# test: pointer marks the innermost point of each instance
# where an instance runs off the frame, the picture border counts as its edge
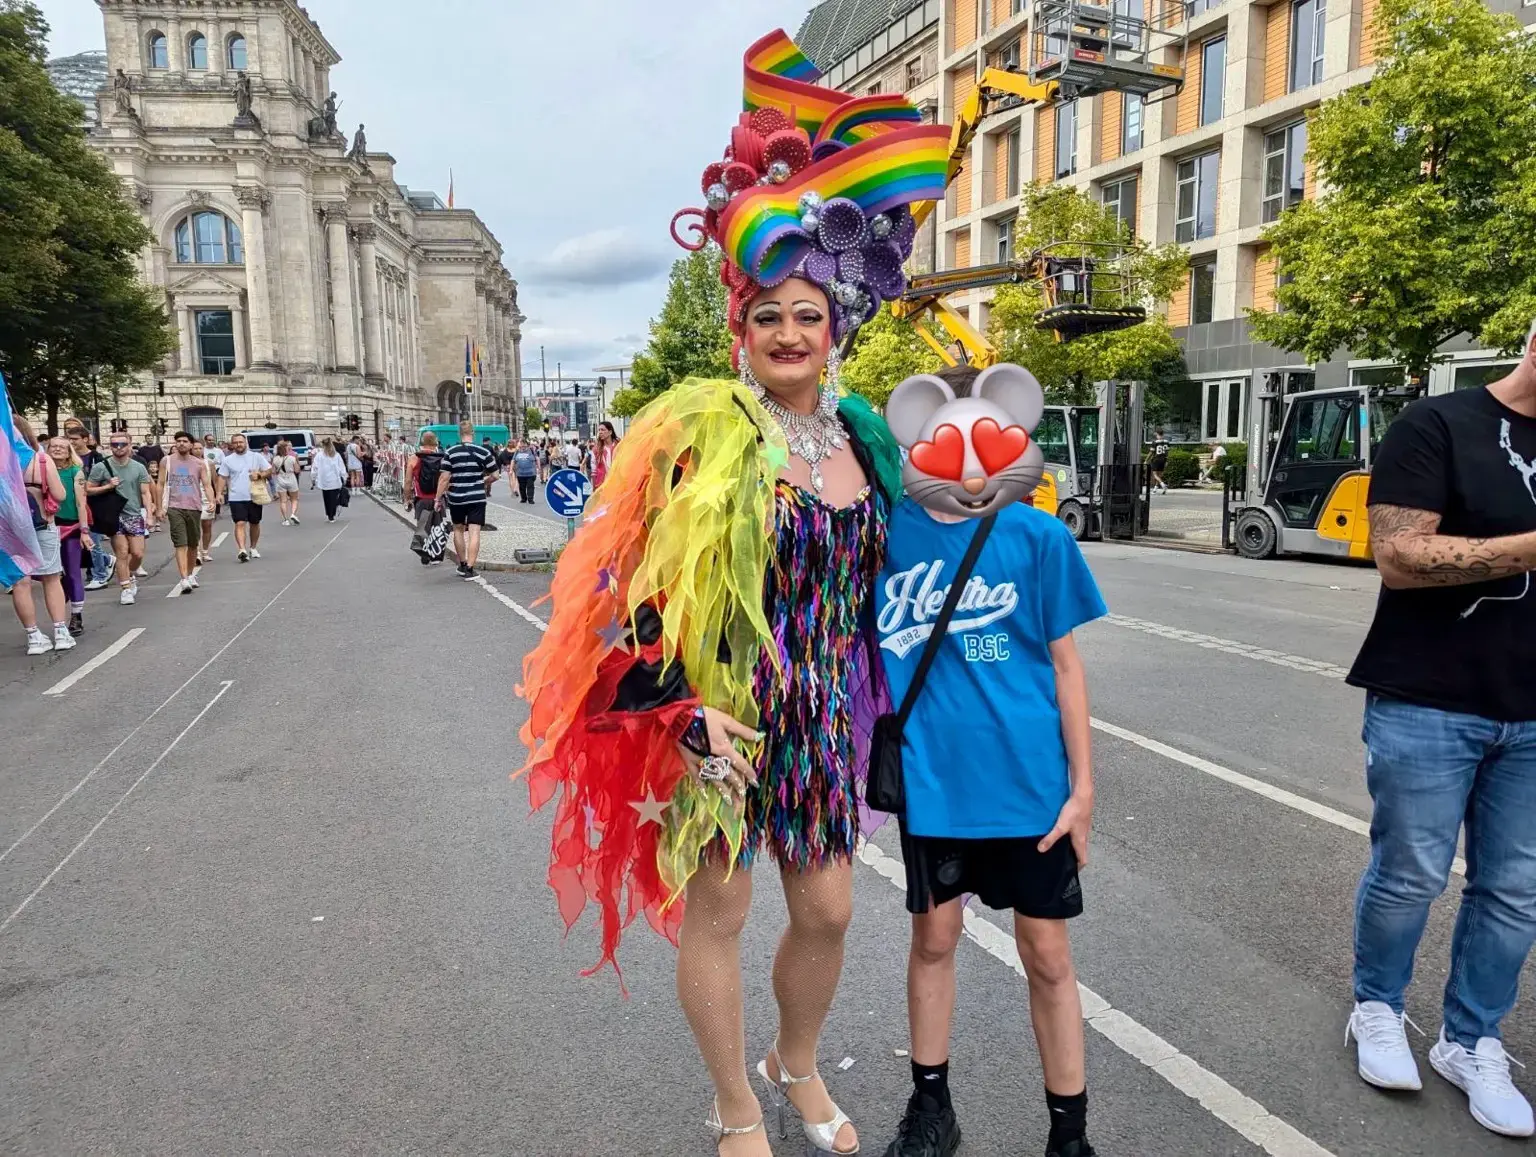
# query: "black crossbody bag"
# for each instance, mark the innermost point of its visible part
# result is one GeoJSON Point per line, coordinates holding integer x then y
{"type": "Point", "coordinates": [886, 789]}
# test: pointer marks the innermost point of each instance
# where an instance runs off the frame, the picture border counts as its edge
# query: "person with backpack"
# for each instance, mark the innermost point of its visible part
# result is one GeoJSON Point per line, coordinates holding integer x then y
{"type": "Point", "coordinates": [420, 491]}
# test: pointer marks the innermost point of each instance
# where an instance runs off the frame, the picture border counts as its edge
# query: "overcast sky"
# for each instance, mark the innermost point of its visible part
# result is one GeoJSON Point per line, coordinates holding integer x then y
{"type": "Point", "coordinates": [574, 128]}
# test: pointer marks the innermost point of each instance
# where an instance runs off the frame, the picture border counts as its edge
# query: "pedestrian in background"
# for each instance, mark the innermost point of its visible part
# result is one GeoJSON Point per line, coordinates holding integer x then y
{"type": "Point", "coordinates": [573, 455]}
{"type": "Point", "coordinates": [354, 465]}
{"type": "Point", "coordinates": [328, 472]}
{"type": "Point", "coordinates": [74, 539]}
{"type": "Point", "coordinates": [420, 498]}
{"type": "Point", "coordinates": [366, 457]}
{"type": "Point", "coordinates": [285, 482]}
{"type": "Point", "coordinates": [242, 467]}
{"type": "Point", "coordinates": [467, 469]}
{"type": "Point", "coordinates": [525, 468]}
{"type": "Point", "coordinates": [1158, 462]}
{"type": "Point", "coordinates": [125, 477]}
{"type": "Point", "coordinates": [89, 456]}
{"type": "Point", "coordinates": [602, 452]}
{"type": "Point", "coordinates": [213, 455]}
{"type": "Point", "coordinates": [184, 494]}
{"type": "Point", "coordinates": [46, 493]}
{"type": "Point", "coordinates": [1450, 733]}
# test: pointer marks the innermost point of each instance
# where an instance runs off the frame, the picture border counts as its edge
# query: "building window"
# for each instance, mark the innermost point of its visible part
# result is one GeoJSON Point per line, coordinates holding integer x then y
{"type": "Point", "coordinates": [874, 89]}
{"type": "Point", "coordinates": [1005, 229]}
{"type": "Point", "coordinates": [1195, 216]}
{"type": "Point", "coordinates": [1066, 139]}
{"type": "Point", "coordinates": [159, 51]}
{"type": "Point", "coordinates": [1130, 123]}
{"type": "Point", "coordinates": [200, 421]}
{"type": "Point", "coordinates": [197, 51]}
{"type": "Point", "coordinates": [1308, 19]}
{"type": "Point", "coordinates": [216, 341]}
{"type": "Point", "coordinates": [1009, 58]}
{"type": "Point", "coordinates": [237, 56]}
{"type": "Point", "coordinates": [914, 72]}
{"type": "Point", "coordinates": [1285, 169]}
{"type": "Point", "coordinates": [208, 239]}
{"type": "Point", "coordinates": [1120, 199]}
{"type": "Point", "coordinates": [1213, 80]}
{"type": "Point", "coordinates": [1202, 294]}
{"type": "Point", "coordinates": [1016, 7]}
{"type": "Point", "coordinates": [1013, 147]}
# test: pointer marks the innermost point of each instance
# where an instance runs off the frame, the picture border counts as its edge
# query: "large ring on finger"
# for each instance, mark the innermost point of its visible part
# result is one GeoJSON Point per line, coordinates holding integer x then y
{"type": "Point", "coordinates": [715, 769]}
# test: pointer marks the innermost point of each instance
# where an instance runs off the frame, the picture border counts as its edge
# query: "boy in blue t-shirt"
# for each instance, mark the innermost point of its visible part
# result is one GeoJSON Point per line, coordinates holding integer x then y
{"type": "Point", "coordinates": [996, 758]}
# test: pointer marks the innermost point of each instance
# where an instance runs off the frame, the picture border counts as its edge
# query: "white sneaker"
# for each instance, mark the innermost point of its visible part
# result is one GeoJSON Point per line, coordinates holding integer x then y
{"type": "Point", "coordinates": [128, 596]}
{"type": "Point", "coordinates": [141, 573]}
{"type": "Point", "coordinates": [1382, 1052]}
{"type": "Point", "coordinates": [241, 556]}
{"type": "Point", "coordinates": [255, 553]}
{"type": "Point", "coordinates": [192, 581]}
{"type": "Point", "coordinates": [62, 640]}
{"type": "Point", "coordinates": [294, 520]}
{"type": "Point", "coordinates": [39, 643]}
{"type": "Point", "coordinates": [97, 585]}
{"type": "Point", "coordinates": [285, 522]}
{"type": "Point", "coordinates": [1484, 1076]}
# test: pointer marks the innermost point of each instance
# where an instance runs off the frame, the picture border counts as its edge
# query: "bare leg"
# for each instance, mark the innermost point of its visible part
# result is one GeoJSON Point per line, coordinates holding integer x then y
{"type": "Point", "coordinates": [931, 980]}
{"type": "Point", "coordinates": [1054, 1004]}
{"type": "Point", "coordinates": [124, 567]}
{"type": "Point", "coordinates": [136, 547]}
{"type": "Point", "coordinates": [472, 535]}
{"type": "Point", "coordinates": [53, 599]}
{"type": "Point", "coordinates": [21, 603]}
{"type": "Point", "coordinates": [709, 989]}
{"type": "Point", "coordinates": [458, 543]}
{"type": "Point", "coordinates": [240, 535]}
{"type": "Point", "coordinates": [805, 975]}
{"type": "Point", "coordinates": [255, 534]}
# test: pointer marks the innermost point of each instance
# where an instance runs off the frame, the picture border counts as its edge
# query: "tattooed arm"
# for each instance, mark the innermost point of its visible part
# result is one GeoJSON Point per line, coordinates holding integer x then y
{"type": "Point", "coordinates": [1411, 553]}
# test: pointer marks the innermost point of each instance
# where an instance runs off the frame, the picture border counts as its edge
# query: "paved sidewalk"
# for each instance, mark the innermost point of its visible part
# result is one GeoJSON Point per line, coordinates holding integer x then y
{"type": "Point", "coordinates": [515, 530]}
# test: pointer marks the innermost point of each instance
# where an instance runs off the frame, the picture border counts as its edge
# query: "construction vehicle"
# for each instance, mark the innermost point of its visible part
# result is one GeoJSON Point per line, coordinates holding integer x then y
{"type": "Point", "coordinates": [1307, 481]}
{"type": "Point", "coordinates": [1093, 482]}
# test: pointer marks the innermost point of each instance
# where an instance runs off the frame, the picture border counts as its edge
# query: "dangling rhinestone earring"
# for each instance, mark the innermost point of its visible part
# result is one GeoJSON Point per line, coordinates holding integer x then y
{"type": "Point", "coordinates": [748, 378]}
{"type": "Point", "coordinates": [835, 370]}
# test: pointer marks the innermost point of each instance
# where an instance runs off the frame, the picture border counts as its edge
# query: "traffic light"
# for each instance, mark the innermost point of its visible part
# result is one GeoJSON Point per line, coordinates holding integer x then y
{"type": "Point", "coordinates": [162, 426]}
{"type": "Point", "coordinates": [469, 384]}
{"type": "Point", "coordinates": [354, 422]}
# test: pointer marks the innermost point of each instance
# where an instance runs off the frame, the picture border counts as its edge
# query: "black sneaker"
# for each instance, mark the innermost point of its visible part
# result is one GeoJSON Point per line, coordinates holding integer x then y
{"type": "Point", "coordinates": [469, 573]}
{"type": "Point", "coordinates": [425, 561]}
{"type": "Point", "coordinates": [76, 625]}
{"type": "Point", "coordinates": [925, 1131]}
{"type": "Point", "coordinates": [463, 569]}
{"type": "Point", "coordinates": [1077, 1147]}
{"type": "Point", "coordinates": [487, 526]}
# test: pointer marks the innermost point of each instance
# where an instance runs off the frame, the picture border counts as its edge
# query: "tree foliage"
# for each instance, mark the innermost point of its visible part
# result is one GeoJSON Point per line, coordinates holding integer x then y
{"type": "Point", "coordinates": [1427, 226]}
{"type": "Point", "coordinates": [1073, 225]}
{"type": "Point", "coordinates": [73, 311]}
{"type": "Point", "coordinates": [533, 419]}
{"type": "Point", "coordinates": [628, 402]}
{"type": "Point", "coordinates": [886, 352]}
{"type": "Point", "coordinates": [690, 337]}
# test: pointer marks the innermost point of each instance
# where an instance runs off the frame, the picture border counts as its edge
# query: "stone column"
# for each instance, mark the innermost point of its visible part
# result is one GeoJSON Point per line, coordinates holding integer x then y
{"type": "Point", "coordinates": [368, 284]}
{"type": "Point", "coordinates": [413, 371]}
{"type": "Point", "coordinates": [253, 204]}
{"type": "Point", "coordinates": [340, 257]}
{"type": "Point", "coordinates": [176, 47]}
{"type": "Point", "coordinates": [215, 37]}
{"type": "Point", "coordinates": [242, 354]}
{"type": "Point", "coordinates": [188, 343]}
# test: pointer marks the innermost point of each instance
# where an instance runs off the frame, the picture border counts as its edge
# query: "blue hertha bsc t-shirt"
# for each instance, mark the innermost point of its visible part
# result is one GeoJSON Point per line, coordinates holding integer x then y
{"type": "Point", "coordinates": [984, 756]}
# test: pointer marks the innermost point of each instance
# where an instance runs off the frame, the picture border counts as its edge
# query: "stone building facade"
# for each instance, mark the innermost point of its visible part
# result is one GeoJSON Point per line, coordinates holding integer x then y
{"type": "Point", "coordinates": [306, 284]}
{"type": "Point", "coordinates": [1208, 168]}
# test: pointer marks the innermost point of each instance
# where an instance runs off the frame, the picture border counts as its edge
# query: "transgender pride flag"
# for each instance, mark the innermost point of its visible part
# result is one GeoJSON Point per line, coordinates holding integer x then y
{"type": "Point", "coordinates": [18, 541]}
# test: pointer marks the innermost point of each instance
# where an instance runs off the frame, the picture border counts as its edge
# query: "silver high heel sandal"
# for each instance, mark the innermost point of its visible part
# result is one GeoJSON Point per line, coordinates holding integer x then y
{"type": "Point", "coordinates": [820, 1138]}
{"type": "Point", "coordinates": [722, 1131]}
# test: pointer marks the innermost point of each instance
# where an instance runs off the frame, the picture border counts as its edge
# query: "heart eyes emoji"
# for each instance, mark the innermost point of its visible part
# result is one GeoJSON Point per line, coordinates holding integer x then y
{"type": "Point", "coordinates": [996, 446]}
{"type": "Point", "coordinates": [944, 457]}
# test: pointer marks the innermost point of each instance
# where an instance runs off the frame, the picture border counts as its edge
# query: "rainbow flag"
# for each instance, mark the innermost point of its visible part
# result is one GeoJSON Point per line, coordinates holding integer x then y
{"type": "Point", "coordinates": [779, 76]}
{"type": "Point", "coordinates": [760, 229]}
{"type": "Point", "coordinates": [19, 554]}
{"type": "Point", "coordinates": [476, 370]}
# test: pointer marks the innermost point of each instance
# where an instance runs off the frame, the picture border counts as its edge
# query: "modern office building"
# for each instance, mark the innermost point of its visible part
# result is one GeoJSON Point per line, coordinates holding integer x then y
{"type": "Point", "coordinates": [1208, 167]}
{"type": "Point", "coordinates": [305, 282]}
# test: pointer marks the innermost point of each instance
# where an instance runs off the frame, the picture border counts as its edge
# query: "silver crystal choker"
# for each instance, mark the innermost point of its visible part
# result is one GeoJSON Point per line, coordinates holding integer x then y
{"type": "Point", "coordinates": [815, 436]}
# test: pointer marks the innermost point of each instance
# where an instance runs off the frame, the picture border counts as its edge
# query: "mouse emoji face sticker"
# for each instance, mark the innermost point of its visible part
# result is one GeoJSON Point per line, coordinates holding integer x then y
{"type": "Point", "coordinates": [969, 456]}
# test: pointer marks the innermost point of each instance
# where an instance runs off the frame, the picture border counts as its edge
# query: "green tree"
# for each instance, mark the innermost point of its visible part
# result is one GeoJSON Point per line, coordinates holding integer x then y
{"type": "Point", "coordinates": [1073, 225]}
{"type": "Point", "coordinates": [885, 353]}
{"type": "Point", "coordinates": [628, 402]}
{"type": "Point", "coordinates": [690, 337]}
{"type": "Point", "coordinates": [533, 418]}
{"type": "Point", "coordinates": [73, 312]}
{"type": "Point", "coordinates": [1425, 228]}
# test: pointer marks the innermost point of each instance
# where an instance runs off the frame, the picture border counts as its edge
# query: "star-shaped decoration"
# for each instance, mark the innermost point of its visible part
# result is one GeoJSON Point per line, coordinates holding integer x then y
{"type": "Point", "coordinates": [613, 635]}
{"type": "Point", "coordinates": [775, 455]}
{"type": "Point", "coordinates": [607, 581]}
{"type": "Point", "coordinates": [651, 809]}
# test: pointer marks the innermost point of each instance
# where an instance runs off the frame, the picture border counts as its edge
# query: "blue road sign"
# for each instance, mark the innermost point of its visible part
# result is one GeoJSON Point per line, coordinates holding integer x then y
{"type": "Point", "coordinates": [567, 493]}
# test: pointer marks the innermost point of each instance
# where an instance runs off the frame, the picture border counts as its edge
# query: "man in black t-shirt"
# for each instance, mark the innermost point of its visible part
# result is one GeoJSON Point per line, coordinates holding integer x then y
{"type": "Point", "coordinates": [1157, 462]}
{"type": "Point", "coordinates": [1449, 666]}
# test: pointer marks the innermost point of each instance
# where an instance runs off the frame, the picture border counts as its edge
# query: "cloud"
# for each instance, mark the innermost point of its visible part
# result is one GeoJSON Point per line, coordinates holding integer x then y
{"type": "Point", "coordinates": [604, 259]}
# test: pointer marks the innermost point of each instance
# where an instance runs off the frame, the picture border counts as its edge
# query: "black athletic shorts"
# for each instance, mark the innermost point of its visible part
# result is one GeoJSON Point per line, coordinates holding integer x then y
{"type": "Point", "coordinates": [470, 514]}
{"type": "Point", "coordinates": [1001, 873]}
{"type": "Point", "coordinates": [245, 512]}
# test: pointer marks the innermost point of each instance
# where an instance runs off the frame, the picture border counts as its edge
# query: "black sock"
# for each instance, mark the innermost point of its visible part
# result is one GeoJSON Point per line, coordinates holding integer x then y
{"type": "Point", "coordinates": [932, 1082]}
{"type": "Point", "coordinates": [1069, 1117]}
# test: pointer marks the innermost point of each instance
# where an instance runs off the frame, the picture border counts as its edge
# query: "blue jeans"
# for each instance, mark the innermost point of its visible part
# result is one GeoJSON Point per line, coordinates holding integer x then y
{"type": "Point", "coordinates": [1429, 772]}
{"type": "Point", "coordinates": [102, 561]}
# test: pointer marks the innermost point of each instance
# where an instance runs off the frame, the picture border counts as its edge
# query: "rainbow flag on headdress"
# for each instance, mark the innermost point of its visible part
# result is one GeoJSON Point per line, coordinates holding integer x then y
{"type": "Point", "coordinates": [19, 554]}
{"type": "Point", "coordinates": [780, 76]}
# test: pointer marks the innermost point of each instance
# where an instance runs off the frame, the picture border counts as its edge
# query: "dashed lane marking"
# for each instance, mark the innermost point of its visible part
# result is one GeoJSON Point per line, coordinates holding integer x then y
{"type": "Point", "coordinates": [86, 668]}
{"type": "Point", "coordinates": [1230, 646]}
{"type": "Point", "coordinates": [1228, 1105]}
{"type": "Point", "coordinates": [219, 541]}
{"type": "Point", "coordinates": [1231, 1107]}
{"type": "Point", "coordinates": [159, 759]}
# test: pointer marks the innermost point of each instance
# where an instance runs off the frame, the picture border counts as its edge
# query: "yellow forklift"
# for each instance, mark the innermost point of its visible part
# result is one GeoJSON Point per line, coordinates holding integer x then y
{"type": "Point", "coordinates": [1094, 479]}
{"type": "Point", "coordinates": [1307, 481]}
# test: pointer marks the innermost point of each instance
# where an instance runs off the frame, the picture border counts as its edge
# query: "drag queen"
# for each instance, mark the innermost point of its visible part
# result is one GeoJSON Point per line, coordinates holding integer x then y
{"type": "Point", "coordinates": [693, 702]}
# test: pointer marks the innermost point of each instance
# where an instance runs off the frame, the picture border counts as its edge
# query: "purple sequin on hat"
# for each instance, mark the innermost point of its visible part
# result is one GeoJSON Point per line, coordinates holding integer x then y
{"type": "Point", "coordinates": [850, 266]}
{"type": "Point", "coordinates": [842, 225]}
{"type": "Point", "coordinates": [820, 266]}
{"type": "Point", "coordinates": [882, 270]}
{"type": "Point", "coordinates": [905, 229]}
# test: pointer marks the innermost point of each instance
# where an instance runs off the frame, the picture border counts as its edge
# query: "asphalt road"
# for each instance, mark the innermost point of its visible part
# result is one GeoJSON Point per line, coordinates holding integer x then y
{"type": "Point", "coordinates": [265, 888]}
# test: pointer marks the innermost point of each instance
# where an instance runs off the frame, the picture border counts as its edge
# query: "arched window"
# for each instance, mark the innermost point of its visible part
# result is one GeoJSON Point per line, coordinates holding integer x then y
{"type": "Point", "coordinates": [201, 420]}
{"type": "Point", "coordinates": [237, 58]}
{"type": "Point", "coordinates": [197, 51]}
{"type": "Point", "coordinates": [159, 51]}
{"type": "Point", "coordinates": [208, 238]}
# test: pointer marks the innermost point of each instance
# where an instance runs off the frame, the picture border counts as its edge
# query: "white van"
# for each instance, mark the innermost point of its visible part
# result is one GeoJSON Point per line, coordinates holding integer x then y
{"type": "Point", "coordinates": [304, 442]}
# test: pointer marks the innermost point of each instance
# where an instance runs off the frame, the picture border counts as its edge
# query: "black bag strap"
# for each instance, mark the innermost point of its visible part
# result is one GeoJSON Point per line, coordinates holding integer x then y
{"type": "Point", "coordinates": [941, 624]}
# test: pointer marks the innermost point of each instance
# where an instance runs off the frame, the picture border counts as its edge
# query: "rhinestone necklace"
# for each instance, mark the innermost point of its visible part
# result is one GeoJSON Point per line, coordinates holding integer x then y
{"type": "Point", "coordinates": [814, 436]}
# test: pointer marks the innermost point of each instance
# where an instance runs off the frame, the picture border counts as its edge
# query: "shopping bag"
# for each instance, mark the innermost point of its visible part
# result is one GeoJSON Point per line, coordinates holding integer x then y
{"type": "Point", "coordinates": [439, 531]}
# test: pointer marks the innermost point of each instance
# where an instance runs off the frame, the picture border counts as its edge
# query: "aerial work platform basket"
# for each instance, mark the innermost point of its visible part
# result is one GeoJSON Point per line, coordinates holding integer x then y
{"type": "Point", "coordinates": [1086, 47]}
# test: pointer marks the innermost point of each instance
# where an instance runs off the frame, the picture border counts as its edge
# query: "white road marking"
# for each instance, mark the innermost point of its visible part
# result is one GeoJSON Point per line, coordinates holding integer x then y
{"type": "Point", "coordinates": [514, 607]}
{"type": "Point", "coordinates": [1269, 791]}
{"type": "Point", "coordinates": [176, 591]}
{"type": "Point", "coordinates": [85, 669]}
{"type": "Point", "coordinates": [1230, 646]}
{"type": "Point", "coordinates": [219, 541]}
{"type": "Point", "coordinates": [123, 742]}
{"type": "Point", "coordinates": [59, 867]}
{"type": "Point", "coordinates": [1233, 1108]}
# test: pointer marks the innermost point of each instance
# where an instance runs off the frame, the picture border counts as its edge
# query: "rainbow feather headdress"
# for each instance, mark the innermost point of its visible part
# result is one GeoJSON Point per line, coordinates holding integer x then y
{"type": "Point", "coordinates": [817, 184]}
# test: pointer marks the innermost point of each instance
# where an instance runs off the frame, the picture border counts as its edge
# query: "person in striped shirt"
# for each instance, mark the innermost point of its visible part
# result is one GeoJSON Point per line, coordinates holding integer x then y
{"type": "Point", "coordinates": [468, 469]}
